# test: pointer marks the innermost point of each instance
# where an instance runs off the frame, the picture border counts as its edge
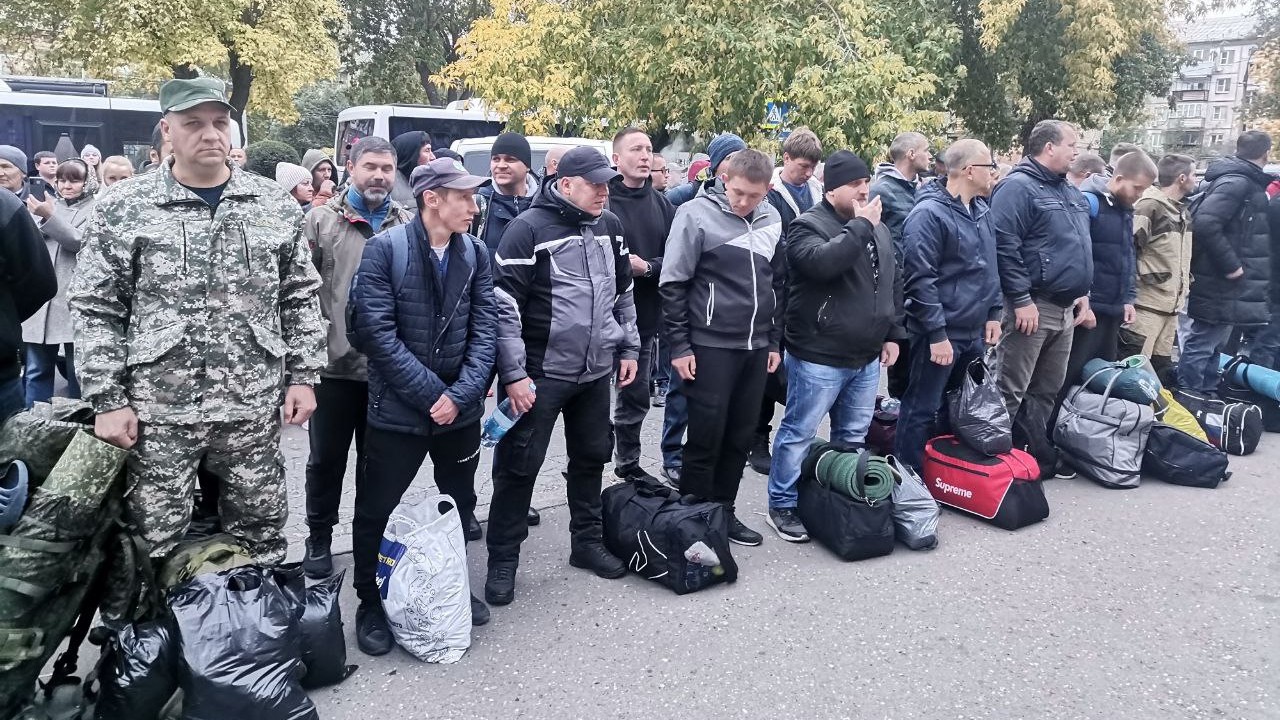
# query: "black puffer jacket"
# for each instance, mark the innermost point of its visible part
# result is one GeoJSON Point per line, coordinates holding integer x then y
{"type": "Point", "coordinates": [1230, 231]}
{"type": "Point", "coordinates": [27, 280]}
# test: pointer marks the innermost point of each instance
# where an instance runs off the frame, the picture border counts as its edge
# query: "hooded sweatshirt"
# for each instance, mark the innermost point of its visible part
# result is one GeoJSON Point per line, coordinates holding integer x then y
{"type": "Point", "coordinates": [722, 277]}
{"type": "Point", "coordinates": [646, 217]}
{"type": "Point", "coordinates": [497, 210]}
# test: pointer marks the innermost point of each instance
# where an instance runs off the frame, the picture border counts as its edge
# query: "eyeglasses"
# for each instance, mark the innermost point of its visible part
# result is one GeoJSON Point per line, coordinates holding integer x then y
{"type": "Point", "coordinates": [993, 166]}
{"type": "Point", "coordinates": [664, 171]}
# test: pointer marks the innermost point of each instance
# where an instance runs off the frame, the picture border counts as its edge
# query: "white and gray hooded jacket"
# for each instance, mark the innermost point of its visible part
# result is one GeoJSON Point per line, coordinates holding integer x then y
{"type": "Point", "coordinates": [563, 285]}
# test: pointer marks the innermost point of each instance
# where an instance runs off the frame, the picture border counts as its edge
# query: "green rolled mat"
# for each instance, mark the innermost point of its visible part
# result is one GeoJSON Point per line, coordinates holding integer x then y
{"type": "Point", "coordinates": [839, 471]}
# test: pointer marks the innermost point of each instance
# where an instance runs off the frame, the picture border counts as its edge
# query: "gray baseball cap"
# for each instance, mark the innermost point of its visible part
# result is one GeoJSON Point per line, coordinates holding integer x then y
{"type": "Point", "coordinates": [446, 173]}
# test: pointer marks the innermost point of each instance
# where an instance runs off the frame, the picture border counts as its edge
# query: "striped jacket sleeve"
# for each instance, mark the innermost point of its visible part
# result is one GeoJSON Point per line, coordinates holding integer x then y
{"type": "Point", "coordinates": [516, 266]}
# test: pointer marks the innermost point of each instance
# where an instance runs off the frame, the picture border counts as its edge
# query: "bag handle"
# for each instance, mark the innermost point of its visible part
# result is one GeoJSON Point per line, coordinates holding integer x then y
{"type": "Point", "coordinates": [1107, 394]}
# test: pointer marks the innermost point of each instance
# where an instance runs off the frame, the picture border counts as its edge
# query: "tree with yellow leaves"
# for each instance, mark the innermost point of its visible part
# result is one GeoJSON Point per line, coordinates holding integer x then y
{"type": "Point", "coordinates": [268, 49]}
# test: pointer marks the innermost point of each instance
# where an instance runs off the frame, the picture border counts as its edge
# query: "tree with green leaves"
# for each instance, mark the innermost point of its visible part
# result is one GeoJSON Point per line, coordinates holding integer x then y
{"type": "Point", "coordinates": [266, 50]}
{"type": "Point", "coordinates": [1264, 73]}
{"type": "Point", "coordinates": [393, 48]}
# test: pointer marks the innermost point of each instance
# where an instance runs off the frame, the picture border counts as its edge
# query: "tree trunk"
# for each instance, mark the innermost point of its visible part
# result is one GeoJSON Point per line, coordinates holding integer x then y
{"type": "Point", "coordinates": [185, 72]}
{"type": "Point", "coordinates": [241, 83]}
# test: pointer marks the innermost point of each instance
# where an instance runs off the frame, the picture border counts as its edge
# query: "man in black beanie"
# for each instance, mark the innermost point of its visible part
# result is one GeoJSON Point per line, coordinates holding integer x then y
{"type": "Point", "coordinates": [844, 309]}
{"type": "Point", "coordinates": [512, 190]}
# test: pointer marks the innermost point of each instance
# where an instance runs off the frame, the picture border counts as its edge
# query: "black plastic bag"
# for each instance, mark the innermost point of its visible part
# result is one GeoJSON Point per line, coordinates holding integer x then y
{"type": "Point", "coordinates": [139, 672]}
{"type": "Point", "coordinates": [241, 642]}
{"type": "Point", "coordinates": [978, 414]}
{"type": "Point", "coordinates": [319, 617]}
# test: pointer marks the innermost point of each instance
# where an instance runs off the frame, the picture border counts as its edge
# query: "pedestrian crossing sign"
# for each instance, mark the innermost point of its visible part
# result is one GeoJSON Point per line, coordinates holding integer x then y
{"type": "Point", "coordinates": [775, 114]}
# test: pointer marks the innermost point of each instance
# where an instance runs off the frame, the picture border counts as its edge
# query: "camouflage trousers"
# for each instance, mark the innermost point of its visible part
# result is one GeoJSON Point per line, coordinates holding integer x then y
{"type": "Point", "coordinates": [245, 456]}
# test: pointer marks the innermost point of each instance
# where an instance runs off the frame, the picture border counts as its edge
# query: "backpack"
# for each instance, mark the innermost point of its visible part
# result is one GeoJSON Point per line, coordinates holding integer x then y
{"type": "Point", "coordinates": [398, 237]}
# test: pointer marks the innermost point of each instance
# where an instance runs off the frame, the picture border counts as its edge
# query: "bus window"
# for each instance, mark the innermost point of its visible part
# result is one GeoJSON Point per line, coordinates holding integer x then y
{"type": "Point", "coordinates": [348, 133]}
{"type": "Point", "coordinates": [444, 131]}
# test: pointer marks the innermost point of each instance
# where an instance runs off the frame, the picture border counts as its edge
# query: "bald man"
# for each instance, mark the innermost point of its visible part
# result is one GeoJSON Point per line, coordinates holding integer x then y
{"type": "Point", "coordinates": [552, 163]}
{"type": "Point", "coordinates": [952, 289]}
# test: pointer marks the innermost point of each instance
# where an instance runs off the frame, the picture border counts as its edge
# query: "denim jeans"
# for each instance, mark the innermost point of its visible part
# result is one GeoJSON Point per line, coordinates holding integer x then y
{"type": "Point", "coordinates": [675, 416]}
{"type": "Point", "coordinates": [40, 368]}
{"type": "Point", "coordinates": [925, 394]}
{"type": "Point", "coordinates": [11, 398]}
{"type": "Point", "coordinates": [1198, 367]}
{"type": "Point", "coordinates": [813, 390]}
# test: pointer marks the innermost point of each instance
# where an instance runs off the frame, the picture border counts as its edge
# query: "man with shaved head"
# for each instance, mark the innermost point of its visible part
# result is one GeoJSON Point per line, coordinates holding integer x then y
{"type": "Point", "coordinates": [952, 289]}
{"type": "Point", "coordinates": [1085, 167]}
{"type": "Point", "coordinates": [552, 161]}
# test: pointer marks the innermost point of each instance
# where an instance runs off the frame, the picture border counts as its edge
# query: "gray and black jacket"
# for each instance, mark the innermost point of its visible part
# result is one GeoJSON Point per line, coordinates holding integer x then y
{"type": "Point", "coordinates": [723, 277]}
{"type": "Point", "coordinates": [563, 284]}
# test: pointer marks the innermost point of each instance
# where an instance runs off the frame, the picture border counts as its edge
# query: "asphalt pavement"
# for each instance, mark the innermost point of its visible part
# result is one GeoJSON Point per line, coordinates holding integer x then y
{"type": "Point", "coordinates": [1161, 602]}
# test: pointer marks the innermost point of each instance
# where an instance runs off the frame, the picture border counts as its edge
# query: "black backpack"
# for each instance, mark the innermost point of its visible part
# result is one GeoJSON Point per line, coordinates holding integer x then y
{"type": "Point", "coordinates": [676, 541]}
{"type": "Point", "coordinates": [1176, 457]}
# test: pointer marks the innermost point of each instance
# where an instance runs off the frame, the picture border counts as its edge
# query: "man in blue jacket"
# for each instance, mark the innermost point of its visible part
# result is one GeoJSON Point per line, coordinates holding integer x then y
{"type": "Point", "coordinates": [1046, 269]}
{"type": "Point", "coordinates": [952, 288]}
{"type": "Point", "coordinates": [425, 316]}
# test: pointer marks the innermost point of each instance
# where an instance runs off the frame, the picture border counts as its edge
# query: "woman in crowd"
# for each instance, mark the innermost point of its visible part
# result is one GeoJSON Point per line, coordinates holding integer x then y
{"type": "Point", "coordinates": [115, 169]}
{"type": "Point", "coordinates": [412, 149]}
{"type": "Point", "coordinates": [62, 221]}
{"type": "Point", "coordinates": [92, 157]}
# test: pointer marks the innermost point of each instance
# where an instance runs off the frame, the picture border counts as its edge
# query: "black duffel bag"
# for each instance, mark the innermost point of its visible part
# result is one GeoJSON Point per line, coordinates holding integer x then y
{"type": "Point", "coordinates": [1230, 392]}
{"type": "Point", "coordinates": [1176, 457]}
{"type": "Point", "coordinates": [853, 529]}
{"type": "Point", "coordinates": [679, 542]}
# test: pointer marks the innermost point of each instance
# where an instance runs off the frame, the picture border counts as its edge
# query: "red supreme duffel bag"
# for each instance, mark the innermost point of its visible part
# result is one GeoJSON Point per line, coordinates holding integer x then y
{"type": "Point", "coordinates": [1004, 489]}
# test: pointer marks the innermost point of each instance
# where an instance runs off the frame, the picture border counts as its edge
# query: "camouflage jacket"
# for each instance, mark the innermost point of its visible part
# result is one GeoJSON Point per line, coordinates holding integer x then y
{"type": "Point", "coordinates": [188, 316]}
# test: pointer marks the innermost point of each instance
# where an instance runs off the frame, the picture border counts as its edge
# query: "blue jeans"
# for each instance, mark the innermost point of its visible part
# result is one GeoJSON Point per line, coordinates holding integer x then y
{"type": "Point", "coordinates": [11, 398]}
{"type": "Point", "coordinates": [675, 418]}
{"type": "Point", "coordinates": [813, 390]}
{"type": "Point", "coordinates": [925, 394]}
{"type": "Point", "coordinates": [1198, 367]}
{"type": "Point", "coordinates": [40, 369]}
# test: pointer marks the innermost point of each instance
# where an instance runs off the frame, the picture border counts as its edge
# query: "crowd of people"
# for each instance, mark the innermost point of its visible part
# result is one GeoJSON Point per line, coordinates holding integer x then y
{"type": "Point", "coordinates": [188, 304]}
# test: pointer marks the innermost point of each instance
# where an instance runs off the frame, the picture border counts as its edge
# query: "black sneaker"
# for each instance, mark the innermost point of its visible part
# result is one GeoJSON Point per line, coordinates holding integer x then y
{"type": "Point", "coordinates": [479, 611]}
{"type": "Point", "coordinates": [594, 556]}
{"type": "Point", "coordinates": [500, 585]}
{"type": "Point", "coordinates": [1063, 471]}
{"type": "Point", "coordinates": [634, 472]}
{"type": "Point", "coordinates": [534, 517]}
{"type": "Point", "coordinates": [317, 563]}
{"type": "Point", "coordinates": [471, 529]}
{"type": "Point", "coordinates": [742, 534]}
{"type": "Point", "coordinates": [373, 634]}
{"type": "Point", "coordinates": [759, 459]}
{"type": "Point", "coordinates": [786, 523]}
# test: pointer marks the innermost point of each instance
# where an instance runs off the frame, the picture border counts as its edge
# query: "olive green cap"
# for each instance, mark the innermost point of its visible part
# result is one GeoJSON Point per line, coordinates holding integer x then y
{"type": "Point", "coordinates": [178, 95]}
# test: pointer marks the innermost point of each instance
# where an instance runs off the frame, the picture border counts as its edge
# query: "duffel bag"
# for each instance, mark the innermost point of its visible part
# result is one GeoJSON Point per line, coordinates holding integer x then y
{"type": "Point", "coordinates": [1233, 427]}
{"type": "Point", "coordinates": [1231, 391]}
{"type": "Point", "coordinates": [1131, 379]}
{"type": "Point", "coordinates": [883, 430]}
{"type": "Point", "coordinates": [852, 529]}
{"type": "Point", "coordinates": [678, 542]}
{"type": "Point", "coordinates": [1176, 457]}
{"type": "Point", "coordinates": [1171, 412]}
{"type": "Point", "coordinates": [1103, 437]}
{"type": "Point", "coordinates": [1004, 489]}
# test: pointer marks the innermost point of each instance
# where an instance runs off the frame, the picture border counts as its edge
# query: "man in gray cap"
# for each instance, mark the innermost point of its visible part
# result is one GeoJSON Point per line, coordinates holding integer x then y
{"type": "Point", "coordinates": [565, 316]}
{"type": "Point", "coordinates": [196, 319]}
{"type": "Point", "coordinates": [13, 170]}
{"type": "Point", "coordinates": [424, 315]}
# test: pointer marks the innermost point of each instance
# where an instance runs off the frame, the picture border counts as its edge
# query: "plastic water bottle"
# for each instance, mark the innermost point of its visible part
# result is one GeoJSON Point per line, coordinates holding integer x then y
{"type": "Point", "coordinates": [500, 421]}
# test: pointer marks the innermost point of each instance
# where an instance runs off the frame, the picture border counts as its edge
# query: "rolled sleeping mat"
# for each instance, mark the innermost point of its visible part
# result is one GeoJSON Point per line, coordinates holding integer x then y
{"type": "Point", "coordinates": [1137, 381]}
{"type": "Point", "coordinates": [1255, 377]}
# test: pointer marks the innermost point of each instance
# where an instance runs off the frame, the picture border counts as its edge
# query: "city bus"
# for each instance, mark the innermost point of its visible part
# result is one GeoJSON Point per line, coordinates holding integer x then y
{"type": "Point", "coordinates": [445, 125]}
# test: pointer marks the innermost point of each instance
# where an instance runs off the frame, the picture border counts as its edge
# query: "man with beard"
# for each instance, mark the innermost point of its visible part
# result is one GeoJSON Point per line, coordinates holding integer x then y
{"type": "Point", "coordinates": [337, 232]}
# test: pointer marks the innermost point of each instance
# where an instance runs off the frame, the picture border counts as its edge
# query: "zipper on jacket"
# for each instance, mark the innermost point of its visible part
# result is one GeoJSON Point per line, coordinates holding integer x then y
{"type": "Point", "coordinates": [445, 325]}
{"type": "Point", "coordinates": [821, 309]}
{"type": "Point", "coordinates": [244, 239]}
{"type": "Point", "coordinates": [711, 302]}
{"type": "Point", "coordinates": [751, 268]}
{"type": "Point", "coordinates": [184, 247]}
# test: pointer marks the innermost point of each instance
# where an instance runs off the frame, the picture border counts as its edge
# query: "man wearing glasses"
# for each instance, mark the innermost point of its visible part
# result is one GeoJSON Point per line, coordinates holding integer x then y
{"type": "Point", "coordinates": [952, 290]}
{"type": "Point", "coordinates": [659, 173]}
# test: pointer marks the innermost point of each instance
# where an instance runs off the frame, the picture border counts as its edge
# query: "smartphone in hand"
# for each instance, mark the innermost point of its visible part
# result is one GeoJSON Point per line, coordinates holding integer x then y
{"type": "Point", "coordinates": [36, 187]}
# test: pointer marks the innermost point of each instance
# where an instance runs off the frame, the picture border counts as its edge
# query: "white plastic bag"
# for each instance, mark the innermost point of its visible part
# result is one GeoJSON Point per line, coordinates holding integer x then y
{"type": "Point", "coordinates": [422, 578]}
{"type": "Point", "coordinates": [915, 512]}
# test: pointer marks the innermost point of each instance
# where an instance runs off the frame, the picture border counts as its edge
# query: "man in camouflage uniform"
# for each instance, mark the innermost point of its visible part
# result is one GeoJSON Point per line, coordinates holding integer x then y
{"type": "Point", "coordinates": [195, 305]}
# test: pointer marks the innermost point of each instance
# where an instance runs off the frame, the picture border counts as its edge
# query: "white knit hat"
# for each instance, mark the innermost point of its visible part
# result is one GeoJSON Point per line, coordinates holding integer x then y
{"type": "Point", "coordinates": [291, 176]}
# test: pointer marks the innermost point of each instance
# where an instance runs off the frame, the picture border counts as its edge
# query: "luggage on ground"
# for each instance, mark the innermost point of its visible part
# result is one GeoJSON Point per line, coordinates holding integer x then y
{"type": "Point", "coordinates": [138, 672]}
{"type": "Point", "coordinates": [1171, 412]}
{"type": "Point", "coordinates": [1241, 372]}
{"type": "Point", "coordinates": [883, 430]}
{"type": "Point", "coordinates": [1102, 436]}
{"type": "Point", "coordinates": [1131, 379]}
{"type": "Point", "coordinates": [915, 512]}
{"type": "Point", "coordinates": [1236, 388]}
{"type": "Point", "coordinates": [676, 541]}
{"type": "Point", "coordinates": [1176, 457]}
{"type": "Point", "coordinates": [978, 415]}
{"type": "Point", "coordinates": [1233, 427]}
{"type": "Point", "coordinates": [422, 578]}
{"type": "Point", "coordinates": [1004, 490]}
{"type": "Point", "coordinates": [240, 648]}
{"type": "Point", "coordinates": [844, 504]}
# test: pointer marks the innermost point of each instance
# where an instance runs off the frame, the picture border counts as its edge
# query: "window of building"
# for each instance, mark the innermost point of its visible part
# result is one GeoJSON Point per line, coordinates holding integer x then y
{"type": "Point", "coordinates": [1227, 57]}
{"type": "Point", "coordinates": [1215, 139]}
{"type": "Point", "coordinates": [1219, 112]}
{"type": "Point", "coordinates": [1222, 85]}
{"type": "Point", "coordinates": [1198, 54]}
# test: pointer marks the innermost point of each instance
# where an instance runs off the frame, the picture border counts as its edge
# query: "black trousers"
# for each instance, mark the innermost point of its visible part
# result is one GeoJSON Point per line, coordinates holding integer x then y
{"type": "Point", "coordinates": [341, 409]}
{"type": "Point", "coordinates": [632, 407]}
{"type": "Point", "coordinates": [1100, 341]}
{"type": "Point", "coordinates": [519, 456]}
{"type": "Point", "coordinates": [392, 460]}
{"type": "Point", "coordinates": [724, 408]}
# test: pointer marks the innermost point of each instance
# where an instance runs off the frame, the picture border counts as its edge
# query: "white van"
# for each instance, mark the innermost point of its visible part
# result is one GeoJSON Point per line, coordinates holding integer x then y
{"type": "Point", "coordinates": [475, 151]}
{"type": "Point", "coordinates": [446, 125]}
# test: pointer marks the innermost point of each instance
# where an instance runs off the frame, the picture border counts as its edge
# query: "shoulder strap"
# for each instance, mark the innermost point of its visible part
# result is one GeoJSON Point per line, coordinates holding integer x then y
{"type": "Point", "coordinates": [1093, 204]}
{"type": "Point", "coordinates": [399, 239]}
{"type": "Point", "coordinates": [469, 249]}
